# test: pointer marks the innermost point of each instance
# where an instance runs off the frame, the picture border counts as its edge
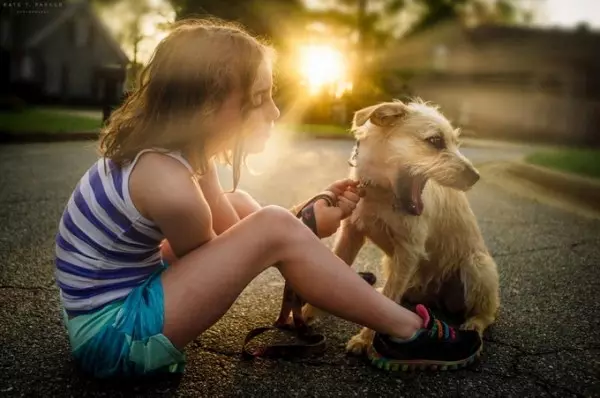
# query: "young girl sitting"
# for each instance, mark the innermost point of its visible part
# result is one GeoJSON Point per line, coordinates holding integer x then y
{"type": "Point", "coordinates": [151, 252]}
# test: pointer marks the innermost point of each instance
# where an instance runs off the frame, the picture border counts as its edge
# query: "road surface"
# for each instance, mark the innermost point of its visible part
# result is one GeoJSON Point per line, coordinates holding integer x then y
{"type": "Point", "coordinates": [546, 341]}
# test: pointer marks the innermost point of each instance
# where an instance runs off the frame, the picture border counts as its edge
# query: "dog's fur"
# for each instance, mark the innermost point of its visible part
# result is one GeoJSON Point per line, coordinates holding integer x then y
{"type": "Point", "coordinates": [439, 257]}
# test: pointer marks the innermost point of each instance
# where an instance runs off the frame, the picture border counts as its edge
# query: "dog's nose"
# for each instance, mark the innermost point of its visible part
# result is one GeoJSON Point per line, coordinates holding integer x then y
{"type": "Point", "coordinates": [470, 176]}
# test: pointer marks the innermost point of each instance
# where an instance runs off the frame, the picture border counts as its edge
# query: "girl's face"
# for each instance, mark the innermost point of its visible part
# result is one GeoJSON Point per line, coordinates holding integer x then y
{"type": "Point", "coordinates": [260, 116]}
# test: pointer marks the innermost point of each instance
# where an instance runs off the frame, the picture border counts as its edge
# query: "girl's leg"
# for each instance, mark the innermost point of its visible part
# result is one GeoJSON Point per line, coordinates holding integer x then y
{"type": "Point", "coordinates": [243, 203]}
{"type": "Point", "coordinates": [206, 282]}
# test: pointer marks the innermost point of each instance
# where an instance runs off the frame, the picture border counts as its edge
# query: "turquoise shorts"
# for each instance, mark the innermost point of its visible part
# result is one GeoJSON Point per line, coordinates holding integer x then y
{"type": "Point", "coordinates": [125, 338]}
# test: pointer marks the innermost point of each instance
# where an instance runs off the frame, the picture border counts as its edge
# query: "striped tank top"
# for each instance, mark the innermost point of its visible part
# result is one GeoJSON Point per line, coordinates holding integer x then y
{"type": "Point", "coordinates": [104, 246]}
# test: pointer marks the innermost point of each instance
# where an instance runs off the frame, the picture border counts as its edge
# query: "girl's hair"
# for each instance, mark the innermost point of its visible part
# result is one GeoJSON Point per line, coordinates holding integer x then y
{"type": "Point", "coordinates": [191, 73]}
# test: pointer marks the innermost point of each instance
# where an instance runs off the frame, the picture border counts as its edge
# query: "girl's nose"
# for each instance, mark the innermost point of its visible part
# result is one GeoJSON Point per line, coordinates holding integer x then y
{"type": "Point", "coordinates": [275, 112]}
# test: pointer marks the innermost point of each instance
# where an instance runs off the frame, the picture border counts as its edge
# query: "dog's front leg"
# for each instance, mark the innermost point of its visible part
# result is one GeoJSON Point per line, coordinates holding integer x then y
{"type": "Point", "coordinates": [482, 292]}
{"type": "Point", "coordinates": [348, 243]}
{"type": "Point", "coordinates": [400, 269]}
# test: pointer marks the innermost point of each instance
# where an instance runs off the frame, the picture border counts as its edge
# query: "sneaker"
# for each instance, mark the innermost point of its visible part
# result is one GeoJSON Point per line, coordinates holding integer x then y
{"type": "Point", "coordinates": [437, 346]}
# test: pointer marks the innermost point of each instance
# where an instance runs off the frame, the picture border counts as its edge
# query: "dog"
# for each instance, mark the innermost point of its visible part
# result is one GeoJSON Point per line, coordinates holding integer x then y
{"type": "Point", "coordinates": [415, 210]}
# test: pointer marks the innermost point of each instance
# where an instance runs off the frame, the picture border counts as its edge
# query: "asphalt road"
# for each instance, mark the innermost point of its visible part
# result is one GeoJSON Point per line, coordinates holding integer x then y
{"type": "Point", "coordinates": [546, 341]}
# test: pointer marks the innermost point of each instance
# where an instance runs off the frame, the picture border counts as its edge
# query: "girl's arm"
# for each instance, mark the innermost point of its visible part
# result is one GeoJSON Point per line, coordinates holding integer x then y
{"type": "Point", "coordinates": [224, 214]}
{"type": "Point", "coordinates": [325, 220]}
{"type": "Point", "coordinates": [164, 191]}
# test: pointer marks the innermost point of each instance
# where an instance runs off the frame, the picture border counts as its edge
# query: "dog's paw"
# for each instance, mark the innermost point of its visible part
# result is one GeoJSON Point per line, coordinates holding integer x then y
{"type": "Point", "coordinates": [311, 314]}
{"type": "Point", "coordinates": [357, 345]}
{"type": "Point", "coordinates": [473, 324]}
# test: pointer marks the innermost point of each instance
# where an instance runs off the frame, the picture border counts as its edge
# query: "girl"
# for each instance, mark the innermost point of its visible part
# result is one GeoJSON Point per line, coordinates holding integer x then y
{"type": "Point", "coordinates": [130, 307]}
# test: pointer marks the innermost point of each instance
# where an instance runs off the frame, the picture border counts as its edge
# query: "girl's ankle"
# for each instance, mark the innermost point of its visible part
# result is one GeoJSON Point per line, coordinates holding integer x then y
{"type": "Point", "coordinates": [407, 329]}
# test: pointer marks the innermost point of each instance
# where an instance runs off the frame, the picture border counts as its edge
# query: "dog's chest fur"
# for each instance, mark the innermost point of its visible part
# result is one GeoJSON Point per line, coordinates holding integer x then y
{"type": "Point", "coordinates": [436, 234]}
{"type": "Point", "coordinates": [376, 214]}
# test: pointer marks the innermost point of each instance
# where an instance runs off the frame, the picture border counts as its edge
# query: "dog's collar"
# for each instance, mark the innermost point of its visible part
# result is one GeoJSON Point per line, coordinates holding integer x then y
{"type": "Point", "coordinates": [364, 183]}
{"type": "Point", "coordinates": [352, 160]}
{"type": "Point", "coordinates": [352, 163]}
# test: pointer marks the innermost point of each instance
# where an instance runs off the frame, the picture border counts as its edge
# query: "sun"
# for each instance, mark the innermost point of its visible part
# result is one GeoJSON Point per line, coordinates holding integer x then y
{"type": "Point", "coordinates": [323, 66]}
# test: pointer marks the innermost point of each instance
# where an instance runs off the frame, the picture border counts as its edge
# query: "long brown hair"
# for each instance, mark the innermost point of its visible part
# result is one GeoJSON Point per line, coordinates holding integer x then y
{"type": "Point", "coordinates": [190, 74]}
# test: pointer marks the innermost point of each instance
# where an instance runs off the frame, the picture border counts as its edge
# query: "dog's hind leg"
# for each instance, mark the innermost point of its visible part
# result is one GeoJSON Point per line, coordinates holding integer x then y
{"type": "Point", "coordinates": [348, 243]}
{"type": "Point", "coordinates": [482, 295]}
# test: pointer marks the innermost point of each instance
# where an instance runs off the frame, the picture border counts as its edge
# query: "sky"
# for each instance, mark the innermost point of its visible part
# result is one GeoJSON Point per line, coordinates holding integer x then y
{"type": "Point", "coordinates": [569, 13]}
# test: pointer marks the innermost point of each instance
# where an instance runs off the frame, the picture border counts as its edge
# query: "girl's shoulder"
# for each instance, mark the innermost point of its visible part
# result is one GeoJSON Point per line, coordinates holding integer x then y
{"type": "Point", "coordinates": [162, 179]}
{"type": "Point", "coordinates": [160, 158]}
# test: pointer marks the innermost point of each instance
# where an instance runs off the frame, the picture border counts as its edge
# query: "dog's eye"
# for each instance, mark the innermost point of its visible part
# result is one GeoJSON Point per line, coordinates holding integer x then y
{"type": "Point", "coordinates": [437, 142]}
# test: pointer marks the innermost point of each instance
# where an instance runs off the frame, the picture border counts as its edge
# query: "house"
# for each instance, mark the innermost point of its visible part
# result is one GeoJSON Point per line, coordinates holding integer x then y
{"type": "Point", "coordinates": [59, 52]}
{"type": "Point", "coordinates": [504, 81]}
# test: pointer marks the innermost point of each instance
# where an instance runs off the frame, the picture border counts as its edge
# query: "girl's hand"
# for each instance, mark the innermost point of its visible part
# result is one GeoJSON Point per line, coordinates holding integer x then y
{"type": "Point", "coordinates": [329, 218]}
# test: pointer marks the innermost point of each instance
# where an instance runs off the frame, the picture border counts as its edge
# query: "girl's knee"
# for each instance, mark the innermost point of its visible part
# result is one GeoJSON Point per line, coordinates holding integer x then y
{"type": "Point", "coordinates": [274, 216]}
{"type": "Point", "coordinates": [243, 203]}
{"type": "Point", "coordinates": [280, 223]}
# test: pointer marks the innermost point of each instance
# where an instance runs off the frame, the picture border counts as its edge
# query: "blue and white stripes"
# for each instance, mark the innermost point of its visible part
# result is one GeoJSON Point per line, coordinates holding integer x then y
{"type": "Point", "coordinates": [104, 246]}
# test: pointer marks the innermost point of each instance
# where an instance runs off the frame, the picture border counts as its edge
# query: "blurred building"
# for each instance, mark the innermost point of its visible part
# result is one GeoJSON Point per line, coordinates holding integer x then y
{"type": "Point", "coordinates": [59, 52]}
{"type": "Point", "coordinates": [501, 81]}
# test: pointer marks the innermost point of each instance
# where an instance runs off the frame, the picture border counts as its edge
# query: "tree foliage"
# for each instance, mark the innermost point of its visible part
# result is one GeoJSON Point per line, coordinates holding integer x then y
{"type": "Point", "coordinates": [266, 18]}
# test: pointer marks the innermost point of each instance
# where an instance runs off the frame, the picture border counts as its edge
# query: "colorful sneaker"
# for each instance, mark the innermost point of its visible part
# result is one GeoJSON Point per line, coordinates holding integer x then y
{"type": "Point", "coordinates": [437, 346]}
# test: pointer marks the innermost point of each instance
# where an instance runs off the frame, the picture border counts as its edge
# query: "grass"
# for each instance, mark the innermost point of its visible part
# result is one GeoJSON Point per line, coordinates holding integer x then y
{"type": "Point", "coordinates": [39, 120]}
{"type": "Point", "coordinates": [585, 162]}
{"type": "Point", "coordinates": [53, 120]}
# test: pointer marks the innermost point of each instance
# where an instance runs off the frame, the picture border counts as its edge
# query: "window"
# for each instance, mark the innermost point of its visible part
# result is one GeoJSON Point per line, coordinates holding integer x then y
{"type": "Point", "coordinates": [4, 31]}
{"type": "Point", "coordinates": [81, 32]}
{"type": "Point", "coordinates": [440, 57]}
{"type": "Point", "coordinates": [27, 71]}
{"type": "Point", "coordinates": [91, 35]}
{"type": "Point", "coordinates": [53, 77]}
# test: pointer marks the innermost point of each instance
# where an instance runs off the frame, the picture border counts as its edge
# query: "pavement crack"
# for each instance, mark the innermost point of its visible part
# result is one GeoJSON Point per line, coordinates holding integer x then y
{"type": "Point", "coordinates": [570, 246]}
{"type": "Point", "coordinates": [513, 346]}
{"type": "Point", "coordinates": [532, 250]}
{"type": "Point", "coordinates": [503, 376]}
{"type": "Point", "coordinates": [228, 354]}
{"type": "Point", "coordinates": [525, 352]}
{"type": "Point", "coordinates": [27, 288]}
{"type": "Point", "coordinates": [300, 361]}
{"type": "Point", "coordinates": [517, 370]}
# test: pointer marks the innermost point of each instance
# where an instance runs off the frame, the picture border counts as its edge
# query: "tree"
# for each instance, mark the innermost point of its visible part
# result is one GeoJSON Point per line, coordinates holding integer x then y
{"type": "Point", "coordinates": [495, 12]}
{"type": "Point", "coordinates": [260, 17]}
{"type": "Point", "coordinates": [138, 25]}
{"type": "Point", "coordinates": [367, 22]}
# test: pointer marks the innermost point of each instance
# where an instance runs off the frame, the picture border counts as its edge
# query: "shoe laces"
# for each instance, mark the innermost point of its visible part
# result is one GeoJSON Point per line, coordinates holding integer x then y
{"type": "Point", "coordinates": [442, 331]}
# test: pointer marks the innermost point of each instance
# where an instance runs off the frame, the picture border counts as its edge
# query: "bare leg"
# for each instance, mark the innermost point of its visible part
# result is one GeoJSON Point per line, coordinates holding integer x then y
{"type": "Point", "coordinates": [348, 243]}
{"type": "Point", "coordinates": [400, 269]}
{"type": "Point", "coordinates": [206, 282]}
{"type": "Point", "coordinates": [243, 203]}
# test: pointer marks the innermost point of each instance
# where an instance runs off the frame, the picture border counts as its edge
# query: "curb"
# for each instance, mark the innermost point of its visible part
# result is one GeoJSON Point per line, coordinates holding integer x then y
{"type": "Point", "coordinates": [488, 143]}
{"type": "Point", "coordinates": [7, 137]}
{"type": "Point", "coordinates": [579, 192]}
{"type": "Point", "coordinates": [466, 143]}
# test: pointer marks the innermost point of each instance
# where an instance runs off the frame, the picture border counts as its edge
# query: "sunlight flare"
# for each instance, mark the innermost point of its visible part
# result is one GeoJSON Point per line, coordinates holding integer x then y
{"type": "Point", "coordinates": [323, 67]}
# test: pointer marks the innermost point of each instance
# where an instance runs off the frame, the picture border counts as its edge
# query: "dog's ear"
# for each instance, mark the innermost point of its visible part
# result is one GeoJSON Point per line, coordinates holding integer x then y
{"type": "Point", "coordinates": [386, 114]}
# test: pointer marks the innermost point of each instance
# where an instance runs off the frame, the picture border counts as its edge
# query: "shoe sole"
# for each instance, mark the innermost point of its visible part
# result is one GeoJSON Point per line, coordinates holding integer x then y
{"type": "Point", "coordinates": [392, 365]}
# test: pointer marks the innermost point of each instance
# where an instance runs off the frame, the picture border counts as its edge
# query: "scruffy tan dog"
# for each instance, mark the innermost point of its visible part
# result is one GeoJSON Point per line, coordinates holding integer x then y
{"type": "Point", "coordinates": [415, 210]}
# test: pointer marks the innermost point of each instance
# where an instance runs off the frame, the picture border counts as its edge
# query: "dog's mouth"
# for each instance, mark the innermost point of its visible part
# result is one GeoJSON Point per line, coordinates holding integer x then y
{"type": "Point", "coordinates": [409, 193]}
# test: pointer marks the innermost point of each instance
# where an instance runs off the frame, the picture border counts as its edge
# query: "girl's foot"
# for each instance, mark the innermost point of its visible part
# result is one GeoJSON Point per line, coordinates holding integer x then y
{"type": "Point", "coordinates": [436, 346]}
